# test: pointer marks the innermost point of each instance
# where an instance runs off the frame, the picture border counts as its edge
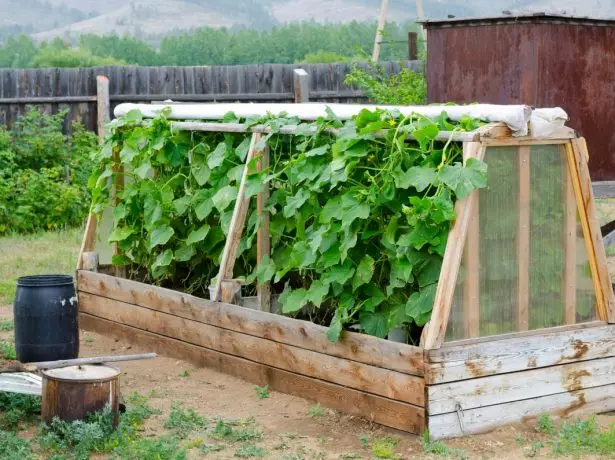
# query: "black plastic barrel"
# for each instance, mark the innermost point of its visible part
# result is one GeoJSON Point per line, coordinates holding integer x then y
{"type": "Point", "coordinates": [46, 324]}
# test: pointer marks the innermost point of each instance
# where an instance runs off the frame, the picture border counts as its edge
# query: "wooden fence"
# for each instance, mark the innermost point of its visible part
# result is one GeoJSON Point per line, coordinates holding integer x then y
{"type": "Point", "coordinates": [75, 89]}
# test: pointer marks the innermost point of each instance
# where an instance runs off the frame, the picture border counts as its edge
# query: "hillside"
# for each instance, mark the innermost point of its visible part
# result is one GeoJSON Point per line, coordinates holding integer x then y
{"type": "Point", "coordinates": [46, 19]}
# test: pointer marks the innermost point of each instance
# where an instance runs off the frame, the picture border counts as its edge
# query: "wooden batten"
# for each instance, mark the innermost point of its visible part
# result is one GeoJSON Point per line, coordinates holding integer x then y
{"type": "Point", "coordinates": [523, 239]}
{"type": "Point", "coordinates": [263, 234]}
{"type": "Point", "coordinates": [378, 409]}
{"type": "Point", "coordinates": [304, 334]}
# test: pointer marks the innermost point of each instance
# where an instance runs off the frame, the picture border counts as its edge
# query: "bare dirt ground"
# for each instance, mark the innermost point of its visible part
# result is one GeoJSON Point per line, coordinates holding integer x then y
{"type": "Point", "coordinates": [292, 428]}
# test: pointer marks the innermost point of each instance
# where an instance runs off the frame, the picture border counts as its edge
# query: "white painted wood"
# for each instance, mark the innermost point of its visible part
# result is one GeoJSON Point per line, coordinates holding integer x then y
{"type": "Point", "coordinates": [540, 349]}
{"type": "Point", "coordinates": [21, 382]}
{"type": "Point", "coordinates": [562, 405]}
{"type": "Point", "coordinates": [499, 389]}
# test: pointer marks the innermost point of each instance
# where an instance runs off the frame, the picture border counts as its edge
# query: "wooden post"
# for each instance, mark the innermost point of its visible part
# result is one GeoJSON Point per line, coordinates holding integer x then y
{"type": "Point", "coordinates": [263, 238]}
{"type": "Point", "coordinates": [230, 292]}
{"type": "Point", "coordinates": [577, 163]}
{"type": "Point", "coordinates": [235, 230]}
{"type": "Point", "coordinates": [89, 261]}
{"type": "Point", "coordinates": [413, 50]}
{"type": "Point", "coordinates": [103, 112]}
{"type": "Point", "coordinates": [435, 330]}
{"type": "Point", "coordinates": [384, 7]}
{"type": "Point", "coordinates": [570, 251]}
{"type": "Point", "coordinates": [302, 86]}
{"type": "Point", "coordinates": [523, 239]}
{"type": "Point", "coordinates": [471, 287]}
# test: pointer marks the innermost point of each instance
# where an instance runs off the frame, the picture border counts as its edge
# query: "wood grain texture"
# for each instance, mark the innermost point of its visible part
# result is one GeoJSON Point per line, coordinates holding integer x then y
{"type": "Point", "coordinates": [435, 329]}
{"type": "Point", "coordinates": [375, 380]}
{"type": "Point", "coordinates": [570, 253]}
{"type": "Point", "coordinates": [606, 310]}
{"type": "Point", "coordinates": [561, 405]}
{"type": "Point", "coordinates": [471, 286]}
{"type": "Point", "coordinates": [88, 242]}
{"type": "Point", "coordinates": [523, 239]}
{"type": "Point", "coordinates": [381, 410]}
{"type": "Point", "coordinates": [304, 334]}
{"type": "Point", "coordinates": [263, 235]}
{"type": "Point", "coordinates": [301, 85]}
{"type": "Point", "coordinates": [540, 349]}
{"type": "Point", "coordinates": [515, 386]}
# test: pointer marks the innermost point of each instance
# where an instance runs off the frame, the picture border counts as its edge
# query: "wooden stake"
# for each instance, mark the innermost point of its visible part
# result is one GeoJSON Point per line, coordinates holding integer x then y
{"type": "Point", "coordinates": [435, 329]}
{"type": "Point", "coordinates": [384, 7]}
{"type": "Point", "coordinates": [302, 86]}
{"type": "Point", "coordinates": [89, 261]}
{"type": "Point", "coordinates": [570, 250]}
{"type": "Point", "coordinates": [523, 239]}
{"type": "Point", "coordinates": [263, 237]}
{"type": "Point", "coordinates": [471, 288]}
{"type": "Point", "coordinates": [235, 230]}
{"type": "Point", "coordinates": [230, 292]}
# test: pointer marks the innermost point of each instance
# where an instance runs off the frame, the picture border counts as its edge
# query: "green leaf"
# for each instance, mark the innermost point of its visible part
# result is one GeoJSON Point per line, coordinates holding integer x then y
{"type": "Point", "coordinates": [144, 170]}
{"type": "Point", "coordinates": [317, 292]}
{"type": "Point", "coordinates": [430, 272]}
{"type": "Point", "coordinates": [242, 149]}
{"type": "Point", "coordinates": [418, 177]}
{"type": "Point", "coordinates": [164, 259]}
{"type": "Point", "coordinates": [120, 234]}
{"type": "Point", "coordinates": [331, 257]}
{"type": "Point", "coordinates": [152, 212]}
{"type": "Point", "coordinates": [420, 305]}
{"type": "Point", "coordinates": [302, 255]}
{"type": "Point", "coordinates": [160, 236]}
{"type": "Point", "coordinates": [120, 260]}
{"type": "Point", "coordinates": [203, 205]}
{"type": "Point", "coordinates": [293, 300]}
{"type": "Point", "coordinates": [364, 272]}
{"type": "Point", "coordinates": [198, 235]}
{"type": "Point", "coordinates": [265, 270]}
{"type": "Point", "coordinates": [224, 197]}
{"type": "Point", "coordinates": [426, 130]}
{"type": "Point", "coordinates": [332, 209]}
{"type": "Point", "coordinates": [127, 154]}
{"type": "Point", "coordinates": [295, 202]}
{"type": "Point", "coordinates": [339, 274]}
{"type": "Point", "coordinates": [255, 184]}
{"type": "Point", "coordinates": [374, 297]}
{"type": "Point", "coordinates": [464, 179]}
{"type": "Point", "coordinates": [376, 324]}
{"type": "Point", "coordinates": [119, 212]}
{"type": "Point", "coordinates": [185, 253]}
{"type": "Point", "coordinates": [335, 328]}
{"type": "Point", "coordinates": [318, 151]}
{"type": "Point", "coordinates": [201, 174]}
{"type": "Point", "coordinates": [216, 158]}
{"type": "Point", "coordinates": [181, 204]}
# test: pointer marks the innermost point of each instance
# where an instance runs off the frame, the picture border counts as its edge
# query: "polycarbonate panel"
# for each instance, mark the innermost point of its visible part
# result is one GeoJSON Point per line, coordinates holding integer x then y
{"type": "Point", "coordinates": [525, 262]}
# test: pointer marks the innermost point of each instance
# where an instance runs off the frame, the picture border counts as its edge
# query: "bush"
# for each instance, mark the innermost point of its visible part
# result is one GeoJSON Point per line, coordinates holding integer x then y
{"type": "Point", "coordinates": [43, 174]}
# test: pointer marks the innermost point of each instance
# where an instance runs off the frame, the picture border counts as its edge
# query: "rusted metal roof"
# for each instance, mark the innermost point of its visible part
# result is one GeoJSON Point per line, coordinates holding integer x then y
{"type": "Point", "coordinates": [519, 18]}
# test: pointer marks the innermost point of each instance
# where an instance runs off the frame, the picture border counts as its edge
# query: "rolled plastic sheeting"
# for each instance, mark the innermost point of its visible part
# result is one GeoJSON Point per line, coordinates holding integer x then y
{"type": "Point", "coordinates": [516, 117]}
{"type": "Point", "coordinates": [544, 122]}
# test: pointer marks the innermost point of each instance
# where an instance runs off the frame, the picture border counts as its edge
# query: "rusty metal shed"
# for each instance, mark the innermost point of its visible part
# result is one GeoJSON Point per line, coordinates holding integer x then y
{"type": "Point", "coordinates": [542, 60]}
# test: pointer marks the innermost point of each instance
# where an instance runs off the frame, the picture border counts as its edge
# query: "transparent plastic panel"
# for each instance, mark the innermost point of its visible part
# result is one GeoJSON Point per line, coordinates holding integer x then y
{"type": "Point", "coordinates": [525, 262]}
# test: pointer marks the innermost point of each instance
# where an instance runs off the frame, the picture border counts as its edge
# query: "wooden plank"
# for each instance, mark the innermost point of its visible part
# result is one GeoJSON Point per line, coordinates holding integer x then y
{"type": "Point", "coordinates": [357, 347]}
{"type": "Point", "coordinates": [301, 86]}
{"type": "Point", "coordinates": [435, 329]}
{"type": "Point", "coordinates": [233, 236]}
{"type": "Point", "coordinates": [375, 380]}
{"type": "Point", "coordinates": [562, 405]}
{"type": "Point", "coordinates": [375, 408]}
{"type": "Point", "coordinates": [471, 286]}
{"type": "Point", "coordinates": [263, 237]}
{"type": "Point", "coordinates": [540, 349]}
{"type": "Point", "coordinates": [515, 386]}
{"type": "Point", "coordinates": [523, 239]}
{"type": "Point", "coordinates": [570, 252]}
{"type": "Point", "coordinates": [606, 311]}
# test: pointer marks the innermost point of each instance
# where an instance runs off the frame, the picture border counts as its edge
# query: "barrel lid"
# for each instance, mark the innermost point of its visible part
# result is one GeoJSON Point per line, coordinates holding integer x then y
{"type": "Point", "coordinates": [83, 373]}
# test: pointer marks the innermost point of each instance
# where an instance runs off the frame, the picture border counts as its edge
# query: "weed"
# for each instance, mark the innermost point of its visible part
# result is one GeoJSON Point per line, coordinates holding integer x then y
{"type": "Point", "coordinates": [89, 340]}
{"type": "Point", "coordinates": [210, 448]}
{"type": "Point", "coordinates": [227, 430]}
{"type": "Point", "coordinates": [7, 350]}
{"type": "Point", "coordinates": [6, 325]}
{"type": "Point", "coordinates": [163, 448]}
{"type": "Point", "coordinates": [185, 373]}
{"type": "Point", "coordinates": [9, 420]}
{"type": "Point", "coordinates": [323, 440]}
{"type": "Point", "coordinates": [364, 440]}
{"type": "Point", "coordinates": [30, 405]}
{"type": "Point", "coordinates": [250, 451]}
{"type": "Point", "coordinates": [576, 436]}
{"type": "Point", "coordinates": [262, 392]}
{"type": "Point", "coordinates": [281, 446]}
{"type": "Point", "coordinates": [349, 456]}
{"type": "Point", "coordinates": [316, 411]}
{"type": "Point", "coordinates": [194, 443]}
{"type": "Point", "coordinates": [181, 422]}
{"type": "Point", "coordinates": [385, 447]}
{"type": "Point", "coordinates": [534, 449]}
{"type": "Point", "coordinates": [14, 448]}
{"type": "Point", "coordinates": [545, 424]}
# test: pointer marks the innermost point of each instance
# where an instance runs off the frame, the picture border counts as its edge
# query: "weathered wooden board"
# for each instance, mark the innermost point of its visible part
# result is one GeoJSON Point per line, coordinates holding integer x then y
{"type": "Point", "coordinates": [577, 403]}
{"type": "Point", "coordinates": [541, 348]}
{"type": "Point", "coordinates": [357, 347]}
{"type": "Point", "coordinates": [383, 382]}
{"type": "Point", "coordinates": [381, 410]}
{"type": "Point", "coordinates": [515, 386]}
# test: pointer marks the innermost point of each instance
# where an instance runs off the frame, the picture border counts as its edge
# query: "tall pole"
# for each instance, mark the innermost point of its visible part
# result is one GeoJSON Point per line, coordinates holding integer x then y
{"type": "Point", "coordinates": [384, 7]}
{"type": "Point", "coordinates": [420, 15]}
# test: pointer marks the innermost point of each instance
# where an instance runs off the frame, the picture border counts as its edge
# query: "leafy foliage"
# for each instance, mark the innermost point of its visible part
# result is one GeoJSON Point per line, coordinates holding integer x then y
{"type": "Point", "coordinates": [181, 422]}
{"type": "Point", "coordinates": [43, 173]}
{"type": "Point", "coordinates": [359, 221]}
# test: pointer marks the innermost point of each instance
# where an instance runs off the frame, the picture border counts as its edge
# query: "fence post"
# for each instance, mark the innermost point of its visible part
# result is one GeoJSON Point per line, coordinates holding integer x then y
{"type": "Point", "coordinates": [103, 106]}
{"type": "Point", "coordinates": [413, 52]}
{"type": "Point", "coordinates": [302, 86]}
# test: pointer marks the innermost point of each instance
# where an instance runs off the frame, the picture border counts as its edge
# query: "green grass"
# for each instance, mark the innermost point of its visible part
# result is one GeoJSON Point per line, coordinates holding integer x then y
{"type": "Point", "coordinates": [37, 254]}
{"type": "Point", "coordinates": [6, 325]}
{"type": "Point", "coordinates": [262, 392]}
{"type": "Point", "coordinates": [182, 422]}
{"type": "Point", "coordinates": [7, 350]}
{"type": "Point", "coordinates": [316, 411]}
{"type": "Point", "coordinates": [250, 451]}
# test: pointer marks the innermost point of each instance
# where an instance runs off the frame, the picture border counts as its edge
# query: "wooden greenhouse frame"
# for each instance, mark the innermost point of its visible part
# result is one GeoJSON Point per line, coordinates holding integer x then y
{"type": "Point", "coordinates": [451, 388]}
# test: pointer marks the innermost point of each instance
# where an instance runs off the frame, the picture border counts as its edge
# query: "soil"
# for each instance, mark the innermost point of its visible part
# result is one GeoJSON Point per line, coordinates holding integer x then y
{"type": "Point", "coordinates": [289, 429]}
